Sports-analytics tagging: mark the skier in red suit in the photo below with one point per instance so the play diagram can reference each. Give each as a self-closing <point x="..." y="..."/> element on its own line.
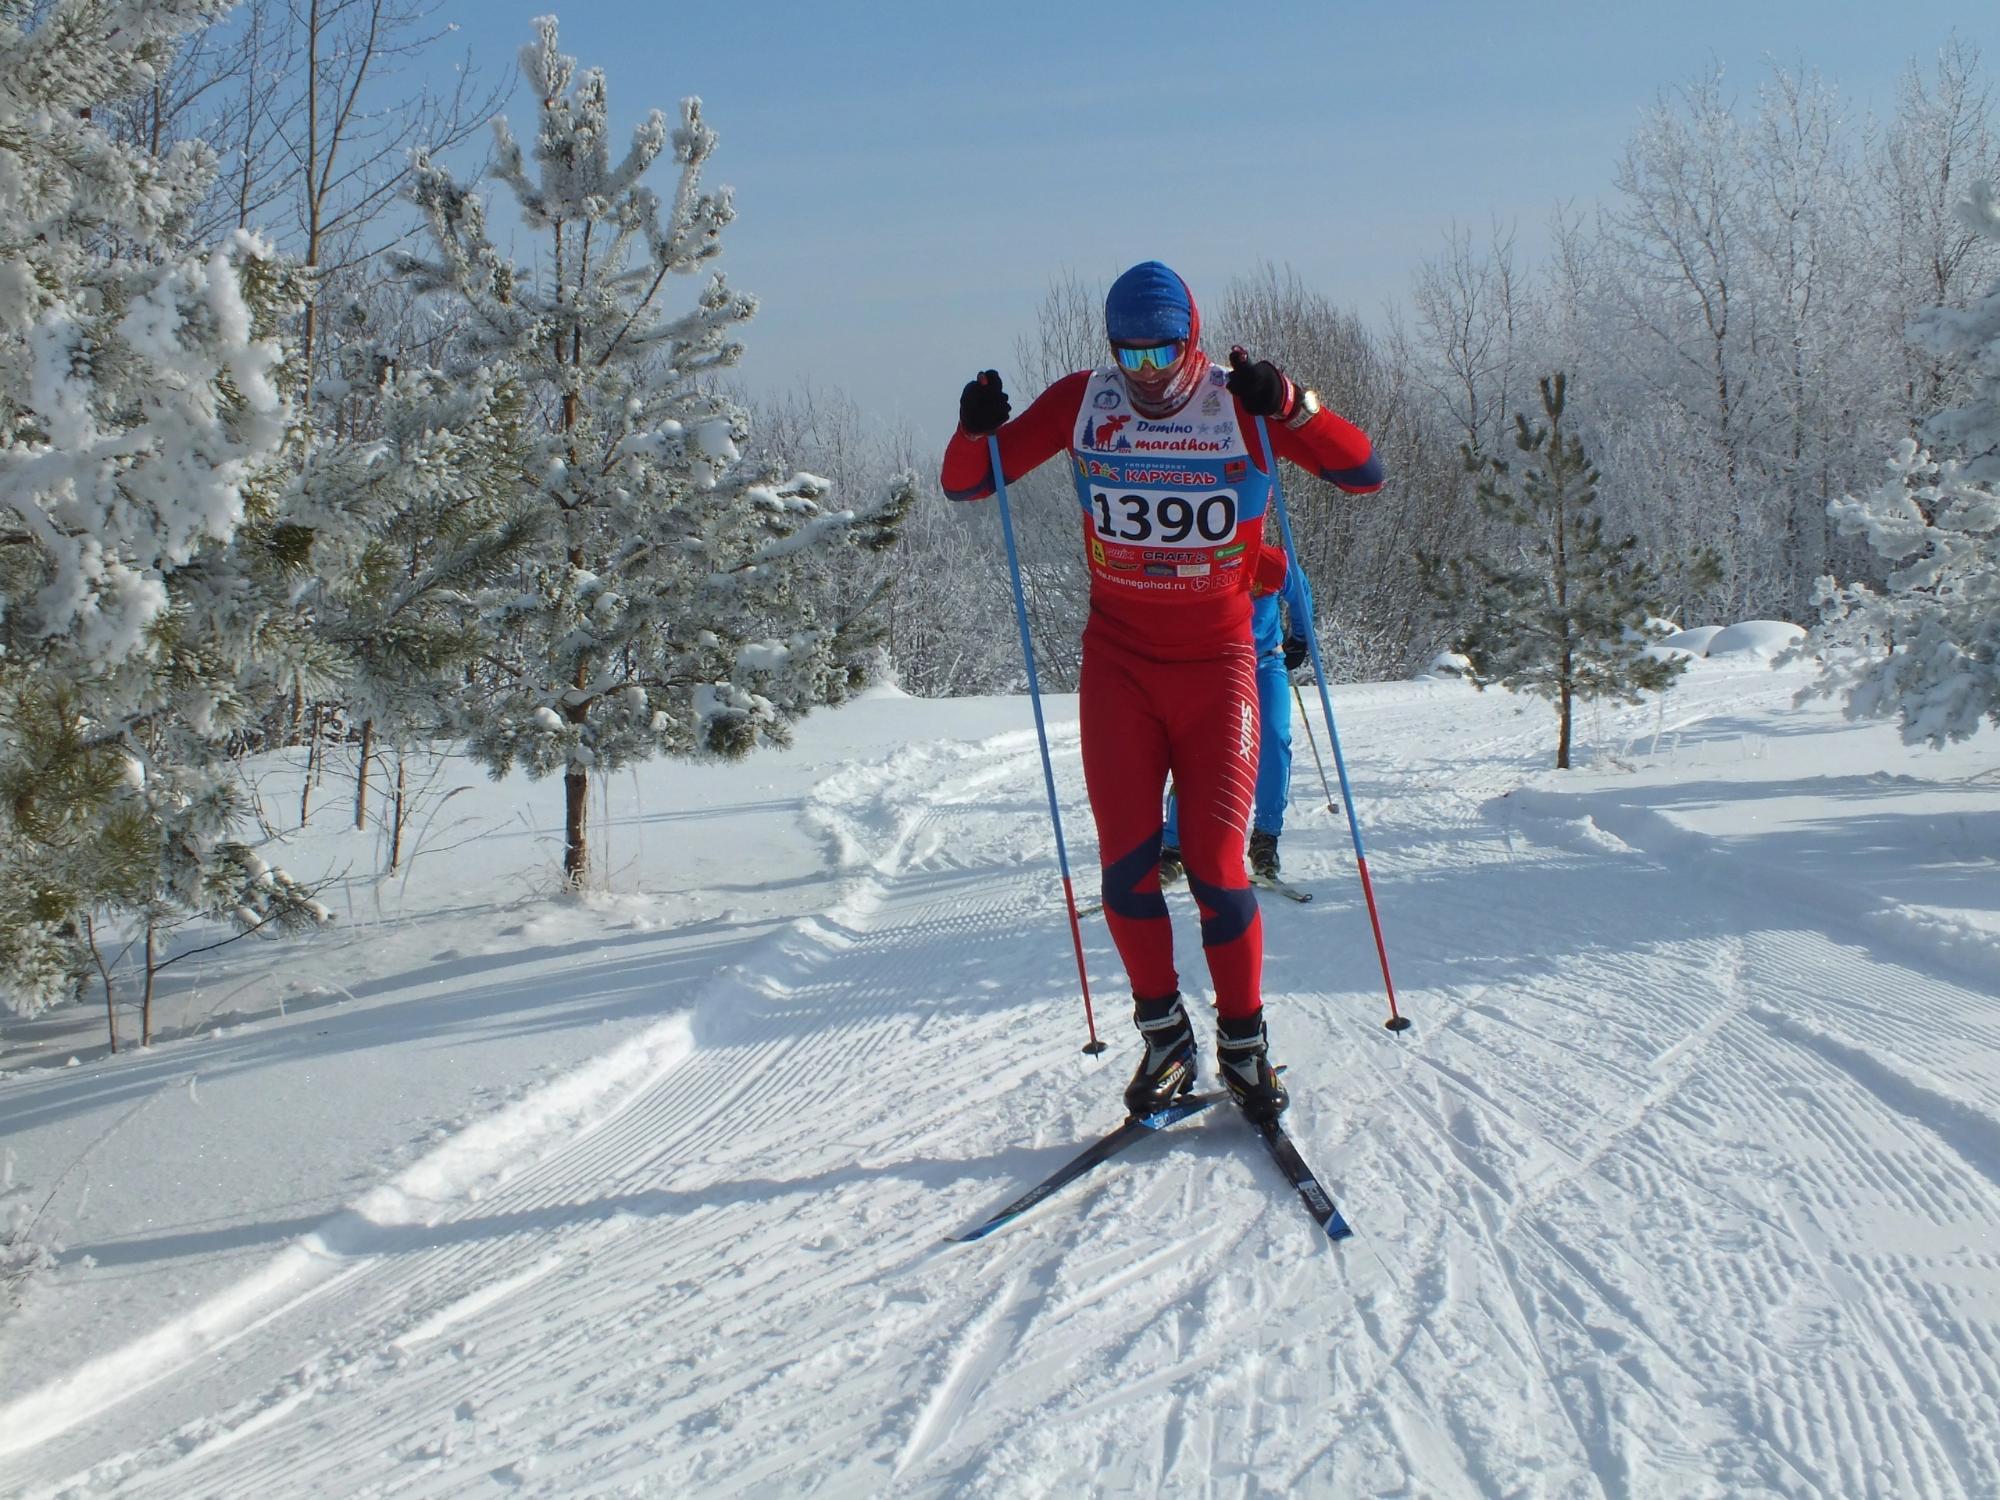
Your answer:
<point x="1166" y="452"/>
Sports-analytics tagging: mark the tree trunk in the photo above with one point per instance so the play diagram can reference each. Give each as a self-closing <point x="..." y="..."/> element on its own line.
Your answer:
<point x="146" y="1003"/>
<point x="110" y="1005"/>
<point x="576" y="780"/>
<point x="1554" y="399"/>
<point x="1563" y="713"/>
<point x="361" y="777"/>
<point x="312" y="765"/>
<point x="576" y="804"/>
<point x="396" y="821"/>
<point x="315" y="201"/>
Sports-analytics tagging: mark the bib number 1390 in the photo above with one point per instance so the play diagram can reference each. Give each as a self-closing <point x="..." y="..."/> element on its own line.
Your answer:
<point x="1176" y="520"/>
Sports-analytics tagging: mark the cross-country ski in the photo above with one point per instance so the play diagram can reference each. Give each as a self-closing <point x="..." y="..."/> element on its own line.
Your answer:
<point x="1282" y="888"/>
<point x="1134" y="1129"/>
<point x="1305" y="1182"/>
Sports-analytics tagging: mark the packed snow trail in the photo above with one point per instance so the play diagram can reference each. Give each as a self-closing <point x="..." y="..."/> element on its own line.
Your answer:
<point x="1663" y="1195"/>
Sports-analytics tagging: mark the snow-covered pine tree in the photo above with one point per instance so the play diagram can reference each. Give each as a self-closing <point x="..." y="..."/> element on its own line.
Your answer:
<point x="663" y="616"/>
<point x="1568" y="617"/>
<point x="1927" y="647"/>
<point x="413" y="501"/>
<point x="141" y="409"/>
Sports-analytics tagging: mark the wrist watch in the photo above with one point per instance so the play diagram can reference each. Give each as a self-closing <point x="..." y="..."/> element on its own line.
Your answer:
<point x="1303" y="410"/>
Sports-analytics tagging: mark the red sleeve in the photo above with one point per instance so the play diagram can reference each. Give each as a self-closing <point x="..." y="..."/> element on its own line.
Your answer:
<point x="1026" y="443"/>
<point x="1328" y="447"/>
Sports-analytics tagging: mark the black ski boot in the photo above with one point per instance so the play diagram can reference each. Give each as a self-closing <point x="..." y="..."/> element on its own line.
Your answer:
<point x="1263" y="854"/>
<point x="1172" y="871"/>
<point x="1167" y="1070"/>
<point x="1243" y="1052"/>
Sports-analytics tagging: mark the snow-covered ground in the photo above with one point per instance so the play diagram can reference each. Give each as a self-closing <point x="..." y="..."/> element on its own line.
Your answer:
<point x="1684" y="1182"/>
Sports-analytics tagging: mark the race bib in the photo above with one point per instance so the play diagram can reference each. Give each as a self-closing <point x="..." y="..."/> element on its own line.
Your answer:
<point x="1163" y="518"/>
<point x="1172" y="508"/>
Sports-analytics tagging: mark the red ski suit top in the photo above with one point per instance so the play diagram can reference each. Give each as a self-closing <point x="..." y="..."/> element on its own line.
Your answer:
<point x="1329" y="447"/>
<point x="1169" y="689"/>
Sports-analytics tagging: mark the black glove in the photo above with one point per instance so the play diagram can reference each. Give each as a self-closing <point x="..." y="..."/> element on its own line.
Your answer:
<point x="983" y="405"/>
<point x="1261" y="387"/>
<point x="1296" y="652"/>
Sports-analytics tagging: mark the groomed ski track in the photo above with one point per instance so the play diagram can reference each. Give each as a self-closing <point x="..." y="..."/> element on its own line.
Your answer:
<point x="1654" y="1199"/>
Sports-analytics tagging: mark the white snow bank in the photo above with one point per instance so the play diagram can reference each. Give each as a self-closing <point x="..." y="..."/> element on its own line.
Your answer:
<point x="1765" y="638"/>
<point x="1745" y="839"/>
<point x="464" y="1169"/>
<point x="1695" y="641"/>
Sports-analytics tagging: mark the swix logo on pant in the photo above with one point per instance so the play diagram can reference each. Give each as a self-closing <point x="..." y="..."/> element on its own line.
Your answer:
<point x="1246" y="741"/>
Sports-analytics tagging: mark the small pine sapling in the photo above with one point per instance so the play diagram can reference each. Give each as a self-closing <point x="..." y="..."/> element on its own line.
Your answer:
<point x="1564" y="614"/>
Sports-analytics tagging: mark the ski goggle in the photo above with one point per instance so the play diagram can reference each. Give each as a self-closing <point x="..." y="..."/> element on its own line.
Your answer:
<point x="1151" y="357"/>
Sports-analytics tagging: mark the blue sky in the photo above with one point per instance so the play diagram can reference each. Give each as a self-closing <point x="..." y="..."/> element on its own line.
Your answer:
<point x="909" y="177"/>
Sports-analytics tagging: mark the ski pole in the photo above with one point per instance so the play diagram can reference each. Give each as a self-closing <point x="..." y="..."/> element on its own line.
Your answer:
<point x="1397" y="1021"/>
<point x="1300" y="699"/>
<point x="1095" y="1044"/>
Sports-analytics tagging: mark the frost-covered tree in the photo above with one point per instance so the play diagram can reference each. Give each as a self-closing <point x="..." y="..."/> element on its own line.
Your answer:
<point x="1927" y="647"/>
<point x="1568" y="615"/>
<point x="1923" y="253"/>
<point x="1811" y="275"/>
<point x="414" y="504"/>
<point x="953" y="635"/>
<point x="664" y="613"/>
<point x="1474" y="312"/>
<point x="1676" y="236"/>
<point x="141" y="410"/>
<point x="1726" y="312"/>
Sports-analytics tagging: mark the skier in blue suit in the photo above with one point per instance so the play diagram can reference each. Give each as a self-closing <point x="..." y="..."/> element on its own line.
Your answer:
<point x="1280" y="651"/>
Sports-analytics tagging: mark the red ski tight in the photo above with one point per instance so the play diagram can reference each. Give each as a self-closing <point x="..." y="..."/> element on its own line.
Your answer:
<point x="1143" y="721"/>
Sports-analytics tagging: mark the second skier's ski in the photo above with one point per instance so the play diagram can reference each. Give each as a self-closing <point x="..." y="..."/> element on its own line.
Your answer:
<point x="1284" y="888"/>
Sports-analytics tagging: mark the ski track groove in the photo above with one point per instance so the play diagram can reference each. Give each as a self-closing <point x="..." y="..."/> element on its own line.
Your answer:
<point x="1664" y="1106"/>
<point x="675" y="1124"/>
<point x="967" y="1367"/>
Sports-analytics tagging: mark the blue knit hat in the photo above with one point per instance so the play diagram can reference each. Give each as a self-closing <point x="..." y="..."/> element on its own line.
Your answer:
<point x="1149" y="304"/>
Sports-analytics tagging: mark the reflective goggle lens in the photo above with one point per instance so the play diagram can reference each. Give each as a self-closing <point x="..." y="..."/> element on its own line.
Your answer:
<point x="1152" y="357"/>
